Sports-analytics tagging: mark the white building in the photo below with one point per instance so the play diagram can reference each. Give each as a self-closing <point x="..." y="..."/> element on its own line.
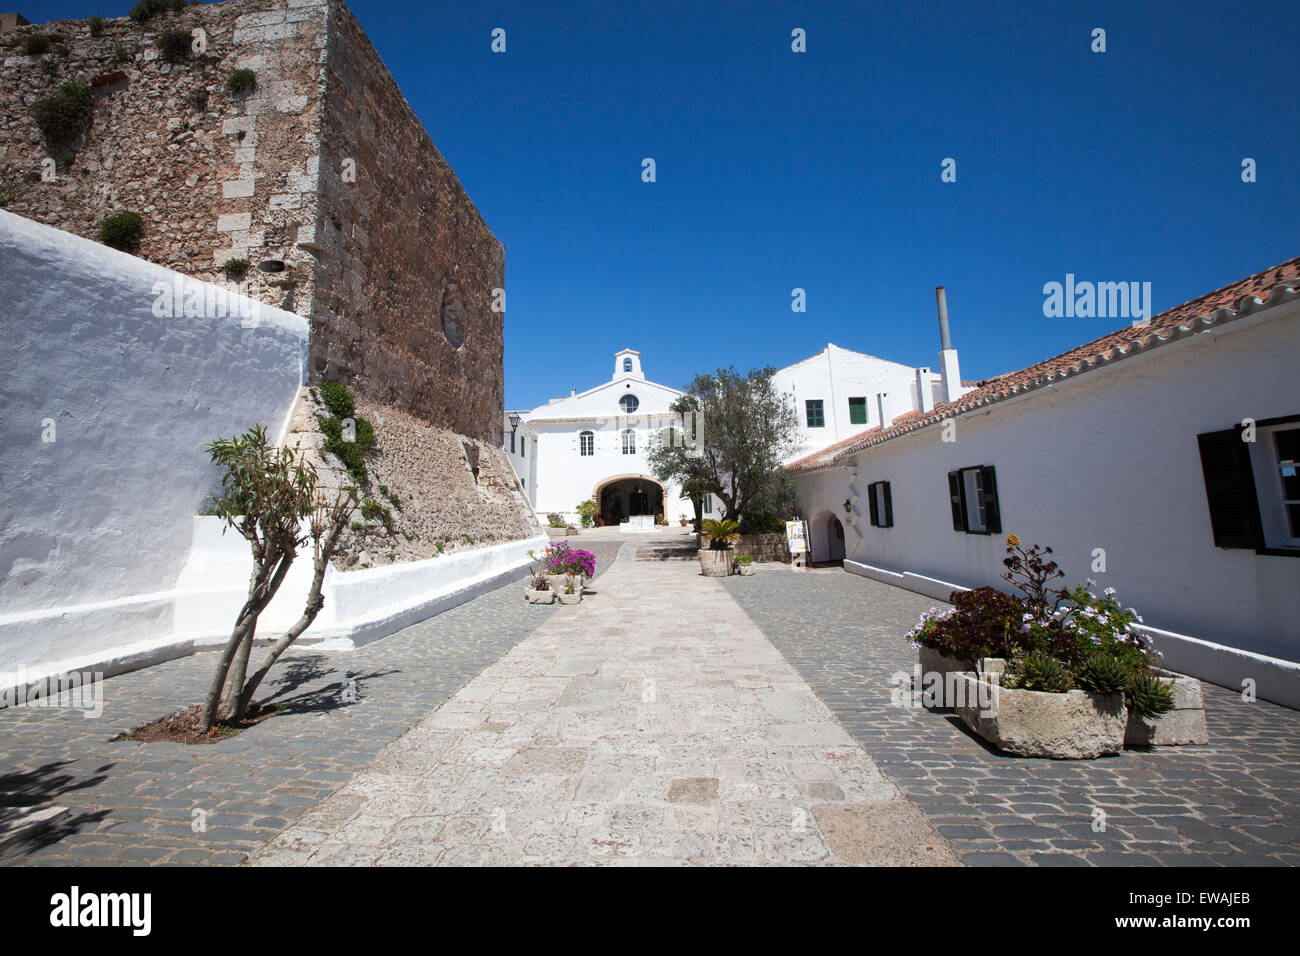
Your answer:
<point x="838" y="393"/>
<point x="1125" y="455"/>
<point x="594" y="444"/>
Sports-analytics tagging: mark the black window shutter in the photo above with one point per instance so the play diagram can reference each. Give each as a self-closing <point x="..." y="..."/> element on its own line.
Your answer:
<point x="958" y="506"/>
<point x="871" y="504"/>
<point x="1230" y="489"/>
<point x="889" y="506"/>
<point x="992" y="516"/>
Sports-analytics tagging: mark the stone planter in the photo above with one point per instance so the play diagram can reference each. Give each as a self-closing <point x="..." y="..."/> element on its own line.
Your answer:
<point x="939" y="677"/>
<point x="1185" y="724"/>
<point x="745" y="569"/>
<point x="1077" y="725"/>
<point x="574" y="598"/>
<point x="540" y="597"/>
<point x="716" y="564"/>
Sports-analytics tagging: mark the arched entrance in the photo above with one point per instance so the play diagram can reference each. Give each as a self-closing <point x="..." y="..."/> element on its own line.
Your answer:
<point x="834" y="539"/>
<point x="626" y="495"/>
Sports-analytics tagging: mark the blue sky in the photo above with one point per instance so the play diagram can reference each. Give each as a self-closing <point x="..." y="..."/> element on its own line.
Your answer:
<point x="821" y="170"/>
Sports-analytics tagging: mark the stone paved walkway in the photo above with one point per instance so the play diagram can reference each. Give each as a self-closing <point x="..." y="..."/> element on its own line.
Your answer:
<point x="135" y="803"/>
<point x="652" y="724"/>
<point x="1233" y="802"/>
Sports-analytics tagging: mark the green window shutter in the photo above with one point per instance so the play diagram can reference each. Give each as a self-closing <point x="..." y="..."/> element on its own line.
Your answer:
<point x="989" y="495"/>
<point x="857" y="411"/>
<point x="957" y="497"/>
<point x="889" y="506"/>
<point x="1230" y="489"/>
<point x="871" y="503"/>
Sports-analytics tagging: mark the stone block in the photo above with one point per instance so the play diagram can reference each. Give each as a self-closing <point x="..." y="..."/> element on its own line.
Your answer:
<point x="235" y="222"/>
<point x="237" y="189"/>
<point x="1073" y="726"/>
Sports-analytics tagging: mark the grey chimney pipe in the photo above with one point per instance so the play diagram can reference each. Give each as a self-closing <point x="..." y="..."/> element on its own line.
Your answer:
<point x="945" y="339"/>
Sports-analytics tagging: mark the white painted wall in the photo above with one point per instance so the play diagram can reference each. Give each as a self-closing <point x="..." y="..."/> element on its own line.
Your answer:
<point x="96" y="524"/>
<point x="834" y="375"/>
<point x="1105" y="460"/>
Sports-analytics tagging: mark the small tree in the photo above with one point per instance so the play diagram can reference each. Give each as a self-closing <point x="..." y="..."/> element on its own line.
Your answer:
<point x="266" y="493"/>
<point x="740" y="430"/>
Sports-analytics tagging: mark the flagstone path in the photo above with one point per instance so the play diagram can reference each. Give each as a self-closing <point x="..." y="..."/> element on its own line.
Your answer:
<point x="652" y="724"/>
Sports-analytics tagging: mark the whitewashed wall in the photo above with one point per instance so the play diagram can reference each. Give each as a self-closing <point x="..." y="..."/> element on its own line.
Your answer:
<point x="97" y="523"/>
<point x="1106" y="460"/>
<point x="834" y="375"/>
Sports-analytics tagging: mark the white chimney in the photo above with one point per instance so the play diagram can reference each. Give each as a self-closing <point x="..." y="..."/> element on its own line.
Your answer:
<point x="882" y="408"/>
<point x="924" y="390"/>
<point x="572" y="391"/>
<point x="948" y="368"/>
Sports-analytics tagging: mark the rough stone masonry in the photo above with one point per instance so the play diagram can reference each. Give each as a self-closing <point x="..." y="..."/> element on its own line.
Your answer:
<point x="322" y="178"/>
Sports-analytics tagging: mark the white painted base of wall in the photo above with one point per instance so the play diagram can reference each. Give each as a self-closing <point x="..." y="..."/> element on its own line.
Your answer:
<point x="360" y="606"/>
<point x="638" y="523"/>
<point x="1275" y="679"/>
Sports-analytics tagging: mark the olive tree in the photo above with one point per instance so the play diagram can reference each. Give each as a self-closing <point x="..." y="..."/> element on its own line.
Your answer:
<point x="267" y="494"/>
<point x="736" y="432"/>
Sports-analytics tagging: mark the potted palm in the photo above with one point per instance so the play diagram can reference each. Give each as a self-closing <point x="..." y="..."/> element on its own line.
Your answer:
<point x="539" y="589"/>
<point x="716" y="559"/>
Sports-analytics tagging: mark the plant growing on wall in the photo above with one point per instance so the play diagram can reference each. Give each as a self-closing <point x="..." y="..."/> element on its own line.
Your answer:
<point x="120" y="53"/>
<point x="346" y="442"/>
<point x="146" y="9"/>
<point x="66" y="113"/>
<point x="266" y="493"/>
<point x="241" y="81"/>
<point x="96" y="26"/>
<point x="122" y="230"/>
<point x="235" y="269"/>
<point x="174" y="45"/>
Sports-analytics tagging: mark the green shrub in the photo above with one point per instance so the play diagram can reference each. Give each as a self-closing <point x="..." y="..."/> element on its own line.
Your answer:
<point x="1149" y="696"/>
<point x="174" y="45"/>
<point x="745" y="559"/>
<point x="1102" y="673"/>
<point x="147" y="9"/>
<point x="372" y="510"/>
<point x="241" y="81"/>
<point x="587" y="511"/>
<point x="122" y="230"/>
<point x="392" y="498"/>
<point x="235" y="269"/>
<point x="96" y="26"/>
<point x="36" y="44"/>
<point x="7" y="193"/>
<point x="120" y="53"/>
<point x="338" y="399"/>
<point x="66" y="113"/>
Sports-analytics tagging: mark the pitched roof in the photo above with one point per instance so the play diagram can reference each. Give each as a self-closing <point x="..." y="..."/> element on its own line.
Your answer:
<point x="1245" y="296"/>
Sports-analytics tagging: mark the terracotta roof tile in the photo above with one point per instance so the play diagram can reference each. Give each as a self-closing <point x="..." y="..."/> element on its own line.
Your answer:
<point x="1273" y="285"/>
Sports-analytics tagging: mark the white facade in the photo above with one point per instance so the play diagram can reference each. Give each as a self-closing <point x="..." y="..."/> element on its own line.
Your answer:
<point x="849" y="392"/>
<point x="1106" y="466"/>
<point x="595" y="444"/>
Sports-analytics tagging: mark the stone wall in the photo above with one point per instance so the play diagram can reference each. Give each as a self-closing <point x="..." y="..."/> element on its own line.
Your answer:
<point x="395" y="268"/>
<point x="416" y="265"/>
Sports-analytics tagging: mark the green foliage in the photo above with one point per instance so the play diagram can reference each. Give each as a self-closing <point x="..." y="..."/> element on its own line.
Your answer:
<point x="122" y="230"/>
<point x="392" y="498"/>
<point x="50" y="68"/>
<point x="145" y="10"/>
<point x="120" y="53"/>
<point x="1102" y="674"/>
<point x="338" y="399"/>
<point x="36" y="44"/>
<point x="372" y="510"/>
<point x="1149" y="696"/>
<point x="265" y="490"/>
<point x="587" y="511"/>
<point x="235" y="269"/>
<point x="745" y="559"/>
<point x="66" y="113"/>
<point x="96" y="26"/>
<point x="8" y="193"/>
<point x="982" y="622"/>
<point x="722" y="534"/>
<point x="241" y="81"/>
<point x="1040" y="672"/>
<point x="174" y="45"/>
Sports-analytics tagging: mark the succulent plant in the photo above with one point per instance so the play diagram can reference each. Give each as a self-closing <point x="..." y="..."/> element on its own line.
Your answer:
<point x="1150" y="696"/>
<point x="1102" y="674"/>
<point x="1040" y="672"/>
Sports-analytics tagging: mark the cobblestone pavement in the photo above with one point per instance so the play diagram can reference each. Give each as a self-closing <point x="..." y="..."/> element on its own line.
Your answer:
<point x="1233" y="802"/>
<point x="651" y="724"/>
<point x="135" y="803"/>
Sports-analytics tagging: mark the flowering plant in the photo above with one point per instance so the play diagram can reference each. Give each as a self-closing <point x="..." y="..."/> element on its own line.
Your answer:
<point x="562" y="558"/>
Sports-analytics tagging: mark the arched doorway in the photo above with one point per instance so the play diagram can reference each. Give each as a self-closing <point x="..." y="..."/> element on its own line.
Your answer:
<point x="834" y="540"/>
<point x="626" y="495"/>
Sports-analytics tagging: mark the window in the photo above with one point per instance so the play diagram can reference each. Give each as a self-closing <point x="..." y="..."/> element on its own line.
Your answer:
<point x="586" y="444"/>
<point x="707" y="506"/>
<point x="858" y="411"/>
<point x="522" y="452"/>
<point x="882" y="505"/>
<point x="629" y="404"/>
<point x="629" y="442"/>
<point x="816" y="414"/>
<point x="627" y="365"/>
<point x="974" y="496"/>
<point x="1252" y="485"/>
<point x="512" y="442"/>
